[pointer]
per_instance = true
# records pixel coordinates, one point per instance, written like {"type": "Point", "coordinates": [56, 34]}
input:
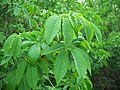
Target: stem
{"type": "Point", "coordinates": [50, 82]}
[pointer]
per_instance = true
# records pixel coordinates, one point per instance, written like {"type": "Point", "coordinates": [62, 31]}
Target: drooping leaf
{"type": "Point", "coordinates": [88, 45]}
{"type": "Point", "coordinates": [54, 48]}
{"type": "Point", "coordinates": [87, 59]}
{"type": "Point", "coordinates": [73, 87]}
{"type": "Point", "coordinates": [28, 36]}
{"type": "Point", "coordinates": [23, 84]}
{"type": "Point", "coordinates": [32, 76]}
{"type": "Point", "coordinates": [10, 81]}
{"type": "Point", "coordinates": [52, 27]}
{"type": "Point", "coordinates": [67, 32]}
{"type": "Point", "coordinates": [2, 37]}
{"type": "Point", "coordinates": [97, 33]}
{"type": "Point", "coordinates": [80, 62]}
{"type": "Point", "coordinates": [8, 44]}
{"type": "Point", "coordinates": [44, 65]}
{"type": "Point", "coordinates": [3, 2]}
{"type": "Point", "coordinates": [50, 55]}
{"type": "Point", "coordinates": [20, 71]}
{"type": "Point", "coordinates": [31, 9]}
{"type": "Point", "coordinates": [88, 30]}
{"type": "Point", "coordinates": [61, 65]}
{"type": "Point", "coordinates": [17, 10]}
{"type": "Point", "coordinates": [16, 46]}
{"type": "Point", "coordinates": [0, 84]}
{"type": "Point", "coordinates": [33, 23]}
{"type": "Point", "coordinates": [88, 83]}
{"type": "Point", "coordinates": [34, 53]}
{"type": "Point", "coordinates": [73, 21]}
{"type": "Point", "coordinates": [6, 60]}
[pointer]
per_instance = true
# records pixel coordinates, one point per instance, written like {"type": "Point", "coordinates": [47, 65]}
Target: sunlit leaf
{"type": "Point", "coordinates": [52, 27]}
{"type": "Point", "coordinates": [80, 62]}
{"type": "Point", "coordinates": [67, 32]}
{"type": "Point", "coordinates": [61, 65]}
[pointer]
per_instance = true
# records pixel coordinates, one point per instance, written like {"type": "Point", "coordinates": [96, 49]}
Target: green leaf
{"type": "Point", "coordinates": [67, 32]}
{"type": "Point", "coordinates": [52, 27]}
{"type": "Point", "coordinates": [61, 65]}
{"type": "Point", "coordinates": [44, 65]}
{"type": "Point", "coordinates": [34, 53]}
{"type": "Point", "coordinates": [28, 36]}
{"type": "Point", "coordinates": [2, 37]}
{"type": "Point", "coordinates": [0, 84]}
{"type": "Point", "coordinates": [73, 21]}
{"type": "Point", "coordinates": [97, 33]}
{"type": "Point", "coordinates": [73, 87]}
{"type": "Point", "coordinates": [3, 2]}
{"type": "Point", "coordinates": [80, 62]}
{"type": "Point", "coordinates": [33, 23]}
{"type": "Point", "coordinates": [6, 60]}
{"type": "Point", "coordinates": [88, 83]}
{"type": "Point", "coordinates": [31, 9]}
{"type": "Point", "coordinates": [88, 29]}
{"type": "Point", "coordinates": [20, 71]}
{"type": "Point", "coordinates": [16, 46]}
{"type": "Point", "coordinates": [8, 44]}
{"type": "Point", "coordinates": [10, 81]}
{"type": "Point", "coordinates": [50, 55]}
{"type": "Point", "coordinates": [53, 48]}
{"type": "Point", "coordinates": [17, 11]}
{"type": "Point", "coordinates": [87, 59]}
{"type": "Point", "coordinates": [32, 76]}
{"type": "Point", "coordinates": [23, 85]}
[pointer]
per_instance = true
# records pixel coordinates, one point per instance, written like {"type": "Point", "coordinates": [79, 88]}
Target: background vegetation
{"type": "Point", "coordinates": [57, 45]}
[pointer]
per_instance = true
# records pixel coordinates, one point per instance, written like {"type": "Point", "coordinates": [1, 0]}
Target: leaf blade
{"type": "Point", "coordinates": [34, 53]}
{"type": "Point", "coordinates": [80, 63]}
{"type": "Point", "coordinates": [20, 71]}
{"type": "Point", "coordinates": [54, 48]}
{"type": "Point", "coordinates": [52, 27]}
{"type": "Point", "coordinates": [61, 65]}
{"type": "Point", "coordinates": [67, 32]}
{"type": "Point", "coordinates": [32, 76]}
{"type": "Point", "coordinates": [97, 33]}
{"type": "Point", "coordinates": [16, 46]}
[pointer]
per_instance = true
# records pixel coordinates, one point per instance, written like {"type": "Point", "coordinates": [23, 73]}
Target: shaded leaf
{"type": "Point", "coordinates": [33, 23]}
{"type": "Point", "coordinates": [97, 33]}
{"type": "Point", "coordinates": [53, 48]}
{"type": "Point", "coordinates": [20, 71]}
{"type": "Point", "coordinates": [24, 85]}
{"type": "Point", "coordinates": [16, 46]}
{"type": "Point", "coordinates": [34, 53]}
{"type": "Point", "coordinates": [6, 60]}
{"type": "Point", "coordinates": [32, 76]}
{"type": "Point", "coordinates": [44, 65]}
{"type": "Point", "coordinates": [88, 30]}
{"type": "Point", "coordinates": [17, 11]}
{"type": "Point", "coordinates": [8, 43]}
{"type": "Point", "coordinates": [11, 81]}
{"type": "Point", "coordinates": [2, 37]}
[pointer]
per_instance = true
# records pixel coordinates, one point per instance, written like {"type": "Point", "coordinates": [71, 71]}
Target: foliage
{"type": "Point", "coordinates": [56, 44]}
{"type": "Point", "coordinates": [26, 50]}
